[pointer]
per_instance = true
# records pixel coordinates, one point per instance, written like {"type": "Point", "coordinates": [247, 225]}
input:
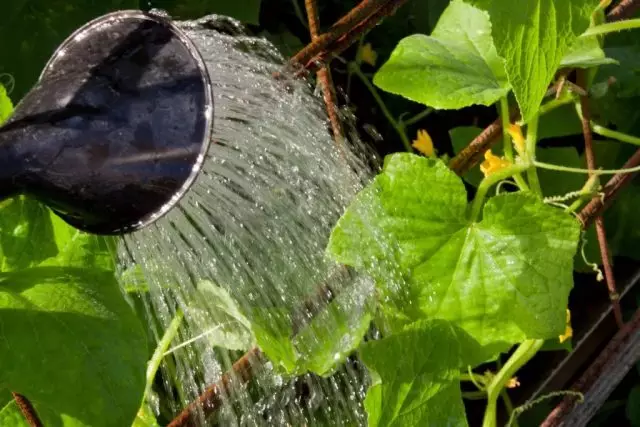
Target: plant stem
{"type": "Point", "coordinates": [474, 395]}
{"type": "Point", "coordinates": [28, 411]}
{"type": "Point", "coordinates": [561, 168]}
{"type": "Point", "coordinates": [488, 182]}
{"type": "Point", "coordinates": [355, 69]}
{"type": "Point", "coordinates": [477, 380]}
{"type": "Point", "coordinates": [509, 405]}
{"type": "Point", "coordinates": [532, 141]}
{"type": "Point", "coordinates": [612, 27]}
{"type": "Point", "coordinates": [506, 138]}
{"type": "Point", "coordinates": [521, 356]}
{"type": "Point", "coordinates": [611, 190]}
{"type": "Point", "coordinates": [508, 146]}
{"type": "Point", "coordinates": [161, 348]}
{"type": "Point", "coordinates": [555, 103]}
{"type": "Point", "coordinates": [415, 119]}
{"type": "Point", "coordinates": [599, 222]}
{"type": "Point", "coordinates": [614, 134]}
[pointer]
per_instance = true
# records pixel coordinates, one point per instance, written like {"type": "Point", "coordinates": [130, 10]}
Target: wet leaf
{"type": "Point", "coordinates": [418, 370]}
{"type": "Point", "coordinates": [338, 330]}
{"type": "Point", "coordinates": [455, 67]}
{"type": "Point", "coordinates": [502, 280]}
{"type": "Point", "coordinates": [322, 344]}
{"type": "Point", "coordinates": [145, 418]}
{"type": "Point", "coordinates": [229, 328]}
{"type": "Point", "coordinates": [533, 37]}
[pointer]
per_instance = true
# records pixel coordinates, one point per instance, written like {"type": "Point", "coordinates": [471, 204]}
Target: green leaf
{"type": "Point", "coordinates": [86, 349]}
{"type": "Point", "coordinates": [586, 53]}
{"type": "Point", "coordinates": [324, 343]}
{"type": "Point", "coordinates": [418, 370]}
{"type": "Point", "coordinates": [617, 105]}
{"type": "Point", "coordinates": [455, 67]}
{"type": "Point", "coordinates": [11, 416]}
{"type": "Point", "coordinates": [533, 36]}
{"type": "Point", "coordinates": [337, 330]}
{"type": "Point", "coordinates": [231, 329]}
{"type": "Point", "coordinates": [502, 280]}
{"type": "Point", "coordinates": [633, 407]}
{"type": "Point", "coordinates": [37, 27]}
{"type": "Point", "coordinates": [273, 330]}
{"type": "Point", "coordinates": [562, 121]}
{"type": "Point", "coordinates": [80, 249]}
{"type": "Point", "coordinates": [243, 10]}
{"type": "Point", "coordinates": [145, 418]}
{"type": "Point", "coordinates": [26, 234]}
{"type": "Point", "coordinates": [415, 17]}
{"type": "Point", "coordinates": [6, 107]}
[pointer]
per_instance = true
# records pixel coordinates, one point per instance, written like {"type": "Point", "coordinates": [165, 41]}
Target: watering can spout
{"type": "Point", "coordinates": [117, 127]}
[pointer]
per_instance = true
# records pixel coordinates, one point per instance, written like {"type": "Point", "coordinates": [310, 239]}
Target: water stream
{"type": "Point", "coordinates": [252, 232]}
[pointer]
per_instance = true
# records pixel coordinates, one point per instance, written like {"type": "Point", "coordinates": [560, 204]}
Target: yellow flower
{"type": "Point", "coordinates": [568, 333]}
{"type": "Point", "coordinates": [368, 55]}
{"type": "Point", "coordinates": [518, 139]}
{"type": "Point", "coordinates": [424, 144]}
{"type": "Point", "coordinates": [513, 383]}
{"type": "Point", "coordinates": [493, 163]}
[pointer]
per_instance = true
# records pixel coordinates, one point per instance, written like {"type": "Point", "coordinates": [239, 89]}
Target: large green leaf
{"type": "Point", "coordinates": [322, 344]}
{"type": "Point", "coordinates": [32, 29]}
{"type": "Point", "coordinates": [337, 330]}
{"type": "Point", "coordinates": [418, 370]}
{"type": "Point", "coordinates": [72, 345]}
{"type": "Point", "coordinates": [26, 234]}
{"type": "Point", "coordinates": [533, 36]}
{"type": "Point", "coordinates": [455, 67]}
{"type": "Point", "coordinates": [229, 328]}
{"type": "Point", "coordinates": [244, 10]}
{"type": "Point", "coordinates": [503, 279]}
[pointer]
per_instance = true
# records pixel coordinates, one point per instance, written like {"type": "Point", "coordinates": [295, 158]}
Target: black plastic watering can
{"type": "Point", "coordinates": [117, 127]}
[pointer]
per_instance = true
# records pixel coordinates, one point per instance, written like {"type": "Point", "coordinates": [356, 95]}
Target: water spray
{"type": "Point", "coordinates": [115, 138]}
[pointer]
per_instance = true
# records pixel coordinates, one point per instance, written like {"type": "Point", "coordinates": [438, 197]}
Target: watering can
{"type": "Point", "coordinates": [117, 127]}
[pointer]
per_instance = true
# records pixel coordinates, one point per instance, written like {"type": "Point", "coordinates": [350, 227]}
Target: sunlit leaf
{"type": "Point", "coordinates": [455, 67]}
{"type": "Point", "coordinates": [418, 370]}
{"type": "Point", "coordinates": [533, 36]}
{"type": "Point", "coordinates": [92, 349]}
{"type": "Point", "coordinates": [502, 280]}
